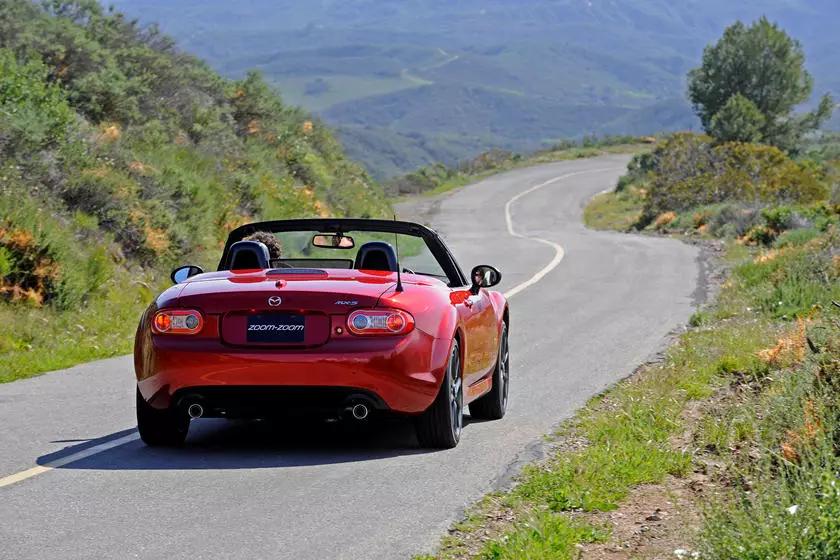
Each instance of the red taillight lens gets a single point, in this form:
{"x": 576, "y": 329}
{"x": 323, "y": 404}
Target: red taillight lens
{"x": 178, "y": 321}
{"x": 366, "y": 322}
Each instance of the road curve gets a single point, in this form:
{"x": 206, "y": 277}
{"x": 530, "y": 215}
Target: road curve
{"x": 603, "y": 303}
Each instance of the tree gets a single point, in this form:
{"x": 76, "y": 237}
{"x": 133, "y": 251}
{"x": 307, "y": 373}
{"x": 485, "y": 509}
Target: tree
{"x": 739, "y": 120}
{"x": 765, "y": 67}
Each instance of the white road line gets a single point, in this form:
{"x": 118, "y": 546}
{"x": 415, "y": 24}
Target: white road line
{"x": 558, "y": 256}
{"x": 558, "y": 250}
{"x": 41, "y": 469}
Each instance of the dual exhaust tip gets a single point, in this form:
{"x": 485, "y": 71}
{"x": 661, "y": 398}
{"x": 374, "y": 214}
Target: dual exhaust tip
{"x": 358, "y": 410}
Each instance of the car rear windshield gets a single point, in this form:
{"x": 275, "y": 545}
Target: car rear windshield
{"x": 298, "y": 251}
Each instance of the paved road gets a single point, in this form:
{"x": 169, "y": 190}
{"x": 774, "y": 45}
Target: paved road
{"x": 250, "y": 490}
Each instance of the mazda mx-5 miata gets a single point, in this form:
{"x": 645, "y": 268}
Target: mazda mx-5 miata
{"x": 335, "y": 318}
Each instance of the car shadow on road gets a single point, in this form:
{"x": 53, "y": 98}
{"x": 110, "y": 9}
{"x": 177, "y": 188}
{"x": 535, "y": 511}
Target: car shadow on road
{"x": 224, "y": 445}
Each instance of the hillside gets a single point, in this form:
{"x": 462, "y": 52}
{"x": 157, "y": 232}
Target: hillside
{"x": 624, "y": 62}
{"x": 123, "y": 157}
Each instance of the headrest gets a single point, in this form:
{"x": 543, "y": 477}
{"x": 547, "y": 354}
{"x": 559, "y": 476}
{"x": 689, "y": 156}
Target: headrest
{"x": 248, "y": 255}
{"x": 376, "y": 255}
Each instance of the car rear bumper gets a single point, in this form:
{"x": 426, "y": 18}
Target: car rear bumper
{"x": 402, "y": 375}
{"x": 277, "y": 401}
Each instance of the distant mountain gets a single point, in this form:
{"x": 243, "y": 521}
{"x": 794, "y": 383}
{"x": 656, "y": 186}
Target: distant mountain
{"x": 514, "y": 72}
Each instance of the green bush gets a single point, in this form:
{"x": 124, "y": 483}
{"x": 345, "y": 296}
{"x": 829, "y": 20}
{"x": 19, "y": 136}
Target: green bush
{"x": 690, "y": 170}
{"x": 42, "y": 261}
{"x": 778, "y": 218}
{"x": 35, "y": 114}
{"x": 623, "y": 182}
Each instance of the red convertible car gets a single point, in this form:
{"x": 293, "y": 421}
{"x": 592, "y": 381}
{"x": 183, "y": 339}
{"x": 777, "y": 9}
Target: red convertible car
{"x": 323, "y": 317}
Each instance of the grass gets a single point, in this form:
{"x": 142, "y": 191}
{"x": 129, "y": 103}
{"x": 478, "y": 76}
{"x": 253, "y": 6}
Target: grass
{"x": 782, "y": 499}
{"x": 625, "y": 439}
{"x": 612, "y": 210}
{"x": 37, "y": 340}
{"x": 766, "y": 429}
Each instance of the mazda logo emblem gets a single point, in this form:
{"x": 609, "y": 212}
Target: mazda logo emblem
{"x": 274, "y": 301}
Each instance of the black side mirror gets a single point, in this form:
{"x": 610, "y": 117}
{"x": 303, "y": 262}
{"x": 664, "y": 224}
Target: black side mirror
{"x": 484, "y": 276}
{"x": 183, "y": 272}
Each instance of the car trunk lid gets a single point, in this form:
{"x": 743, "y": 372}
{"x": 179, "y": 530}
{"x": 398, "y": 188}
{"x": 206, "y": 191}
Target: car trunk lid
{"x": 284, "y": 307}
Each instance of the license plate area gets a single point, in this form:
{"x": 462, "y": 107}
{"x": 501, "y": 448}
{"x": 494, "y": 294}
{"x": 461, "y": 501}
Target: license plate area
{"x": 276, "y": 328}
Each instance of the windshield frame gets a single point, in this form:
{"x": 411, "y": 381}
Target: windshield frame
{"x": 433, "y": 241}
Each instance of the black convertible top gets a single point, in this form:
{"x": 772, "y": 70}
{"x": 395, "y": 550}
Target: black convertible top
{"x": 342, "y": 225}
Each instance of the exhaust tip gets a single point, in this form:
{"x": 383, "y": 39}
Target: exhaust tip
{"x": 195, "y": 410}
{"x": 360, "y": 412}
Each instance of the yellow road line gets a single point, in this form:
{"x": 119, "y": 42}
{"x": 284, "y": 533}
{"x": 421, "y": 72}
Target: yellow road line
{"x": 41, "y": 469}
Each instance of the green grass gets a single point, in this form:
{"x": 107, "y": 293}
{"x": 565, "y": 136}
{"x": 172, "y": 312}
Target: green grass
{"x": 34, "y": 341}
{"x": 626, "y": 435}
{"x": 612, "y": 210}
{"x": 545, "y": 536}
{"x": 625, "y": 438}
{"x": 782, "y": 499}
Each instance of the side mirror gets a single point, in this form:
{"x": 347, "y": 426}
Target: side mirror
{"x": 183, "y": 272}
{"x": 484, "y": 276}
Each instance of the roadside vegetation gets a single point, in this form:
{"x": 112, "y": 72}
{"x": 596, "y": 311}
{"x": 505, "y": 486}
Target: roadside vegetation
{"x": 434, "y": 180}
{"x": 737, "y": 426}
{"x": 120, "y": 157}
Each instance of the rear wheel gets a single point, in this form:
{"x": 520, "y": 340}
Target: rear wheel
{"x": 440, "y": 426}
{"x": 493, "y": 405}
{"x": 160, "y": 427}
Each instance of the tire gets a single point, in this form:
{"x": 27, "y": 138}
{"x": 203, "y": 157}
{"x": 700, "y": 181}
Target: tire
{"x": 493, "y": 405}
{"x": 440, "y": 426}
{"x": 160, "y": 427}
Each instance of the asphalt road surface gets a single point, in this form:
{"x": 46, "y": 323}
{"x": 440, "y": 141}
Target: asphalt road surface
{"x": 587, "y": 307}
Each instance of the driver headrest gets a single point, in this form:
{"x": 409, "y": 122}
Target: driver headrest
{"x": 248, "y": 255}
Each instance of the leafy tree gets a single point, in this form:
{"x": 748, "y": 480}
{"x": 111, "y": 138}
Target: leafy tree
{"x": 739, "y": 120}
{"x": 766, "y": 67}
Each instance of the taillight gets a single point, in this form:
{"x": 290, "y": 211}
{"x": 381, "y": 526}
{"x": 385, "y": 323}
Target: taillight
{"x": 380, "y": 322}
{"x": 178, "y": 321}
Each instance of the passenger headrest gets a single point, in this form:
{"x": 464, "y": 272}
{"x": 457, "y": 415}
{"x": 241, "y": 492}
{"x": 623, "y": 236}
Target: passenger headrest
{"x": 376, "y": 255}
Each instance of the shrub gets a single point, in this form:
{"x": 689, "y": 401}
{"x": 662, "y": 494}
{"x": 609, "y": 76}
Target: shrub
{"x": 699, "y": 318}
{"x": 43, "y": 263}
{"x": 623, "y": 182}
{"x": 778, "y": 218}
{"x": 36, "y": 113}
{"x": 690, "y": 171}
{"x": 760, "y": 235}
{"x": 664, "y": 220}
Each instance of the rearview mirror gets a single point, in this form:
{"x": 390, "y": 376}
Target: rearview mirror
{"x": 333, "y": 241}
{"x": 484, "y": 276}
{"x": 183, "y": 272}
